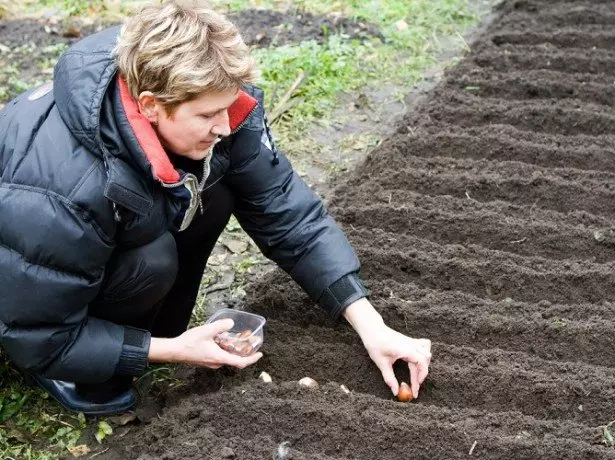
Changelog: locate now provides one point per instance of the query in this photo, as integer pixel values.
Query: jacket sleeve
(290, 225)
(49, 273)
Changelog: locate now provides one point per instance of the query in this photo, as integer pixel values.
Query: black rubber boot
(66, 395)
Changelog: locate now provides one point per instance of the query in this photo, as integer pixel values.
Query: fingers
(389, 377)
(423, 371)
(414, 379)
(418, 364)
(424, 358)
(240, 361)
(222, 325)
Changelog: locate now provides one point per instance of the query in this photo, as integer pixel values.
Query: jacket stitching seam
(48, 267)
(79, 184)
(82, 213)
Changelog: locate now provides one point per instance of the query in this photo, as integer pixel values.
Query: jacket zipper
(243, 123)
(200, 185)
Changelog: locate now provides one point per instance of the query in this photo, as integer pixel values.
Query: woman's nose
(222, 127)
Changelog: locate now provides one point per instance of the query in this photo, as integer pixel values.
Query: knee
(159, 262)
(219, 204)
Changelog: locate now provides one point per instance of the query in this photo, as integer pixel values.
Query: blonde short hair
(180, 49)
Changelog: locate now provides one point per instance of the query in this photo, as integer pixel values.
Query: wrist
(362, 316)
(163, 351)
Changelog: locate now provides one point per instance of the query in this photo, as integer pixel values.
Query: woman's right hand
(196, 346)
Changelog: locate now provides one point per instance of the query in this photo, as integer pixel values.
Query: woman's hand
(196, 346)
(385, 346)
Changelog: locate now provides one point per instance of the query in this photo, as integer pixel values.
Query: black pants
(155, 286)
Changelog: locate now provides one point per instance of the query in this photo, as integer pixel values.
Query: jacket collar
(150, 146)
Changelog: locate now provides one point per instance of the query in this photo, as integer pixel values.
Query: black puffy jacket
(80, 176)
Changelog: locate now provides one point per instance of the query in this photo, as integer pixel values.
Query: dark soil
(272, 28)
(477, 224)
(26, 42)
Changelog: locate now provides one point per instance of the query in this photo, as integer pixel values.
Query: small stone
(599, 236)
(236, 246)
(227, 452)
(308, 382)
(260, 37)
(282, 451)
(401, 25)
(344, 389)
(71, 32)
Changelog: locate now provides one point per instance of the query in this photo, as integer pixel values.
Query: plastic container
(246, 336)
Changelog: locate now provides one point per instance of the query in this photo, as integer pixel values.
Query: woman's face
(195, 126)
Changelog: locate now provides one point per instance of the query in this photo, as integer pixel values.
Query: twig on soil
(532, 208)
(607, 436)
(472, 448)
(100, 453)
(286, 103)
(218, 287)
(469, 197)
(465, 45)
(264, 413)
(519, 241)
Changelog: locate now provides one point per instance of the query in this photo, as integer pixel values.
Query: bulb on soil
(265, 377)
(308, 382)
(405, 392)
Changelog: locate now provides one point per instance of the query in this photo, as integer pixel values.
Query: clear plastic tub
(246, 336)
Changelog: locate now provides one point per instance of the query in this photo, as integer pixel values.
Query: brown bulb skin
(405, 392)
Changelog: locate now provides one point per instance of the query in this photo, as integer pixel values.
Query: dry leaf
(79, 451)
(124, 418)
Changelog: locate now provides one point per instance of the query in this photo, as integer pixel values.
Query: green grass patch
(31, 426)
(14, 79)
(411, 29)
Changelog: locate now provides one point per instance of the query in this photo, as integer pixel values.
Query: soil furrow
(247, 412)
(561, 39)
(290, 305)
(514, 58)
(565, 6)
(571, 333)
(484, 273)
(555, 116)
(500, 143)
(562, 190)
(538, 84)
(374, 194)
(488, 229)
(546, 19)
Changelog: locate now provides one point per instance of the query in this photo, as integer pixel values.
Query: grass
(32, 426)
(342, 66)
(29, 420)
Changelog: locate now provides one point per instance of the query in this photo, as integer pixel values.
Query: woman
(116, 182)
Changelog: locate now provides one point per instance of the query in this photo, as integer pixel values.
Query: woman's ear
(149, 107)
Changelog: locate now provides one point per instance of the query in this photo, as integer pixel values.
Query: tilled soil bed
(483, 224)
